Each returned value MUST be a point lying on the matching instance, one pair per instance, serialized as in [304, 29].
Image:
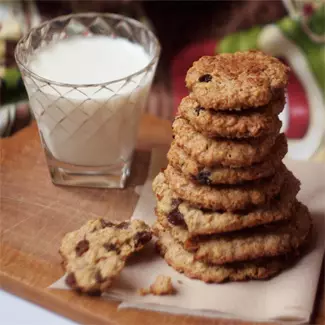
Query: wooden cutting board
[35, 215]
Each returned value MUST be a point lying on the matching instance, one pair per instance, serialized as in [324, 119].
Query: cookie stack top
[225, 196]
[237, 81]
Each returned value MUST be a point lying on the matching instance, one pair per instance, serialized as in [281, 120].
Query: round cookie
[184, 262]
[250, 123]
[95, 254]
[264, 241]
[200, 222]
[225, 175]
[225, 152]
[235, 81]
[227, 198]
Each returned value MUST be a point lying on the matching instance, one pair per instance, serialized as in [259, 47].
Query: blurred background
[291, 30]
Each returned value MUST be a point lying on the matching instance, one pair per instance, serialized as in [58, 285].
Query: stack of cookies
[226, 204]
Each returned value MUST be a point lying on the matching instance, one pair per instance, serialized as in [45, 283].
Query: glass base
[114, 176]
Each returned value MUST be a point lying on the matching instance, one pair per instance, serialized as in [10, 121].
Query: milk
[89, 126]
[89, 60]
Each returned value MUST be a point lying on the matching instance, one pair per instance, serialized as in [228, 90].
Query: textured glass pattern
[79, 124]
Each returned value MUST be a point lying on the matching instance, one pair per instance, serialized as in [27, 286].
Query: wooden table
[35, 215]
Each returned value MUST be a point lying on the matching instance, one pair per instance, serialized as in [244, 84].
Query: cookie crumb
[143, 291]
[162, 286]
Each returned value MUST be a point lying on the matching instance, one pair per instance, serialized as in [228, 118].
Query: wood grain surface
[35, 215]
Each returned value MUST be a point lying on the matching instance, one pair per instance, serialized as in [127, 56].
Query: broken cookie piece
[96, 253]
[162, 286]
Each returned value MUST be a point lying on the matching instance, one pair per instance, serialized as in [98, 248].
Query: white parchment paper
[287, 297]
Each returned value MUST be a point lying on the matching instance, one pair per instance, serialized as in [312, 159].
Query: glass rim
[86, 85]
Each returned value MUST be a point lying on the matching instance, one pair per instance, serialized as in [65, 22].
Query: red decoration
[308, 9]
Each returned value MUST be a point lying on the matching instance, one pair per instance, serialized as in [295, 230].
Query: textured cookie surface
[250, 123]
[201, 222]
[236, 81]
[255, 243]
[226, 197]
[226, 152]
[95, 254]
[178, 158]
[184, 262]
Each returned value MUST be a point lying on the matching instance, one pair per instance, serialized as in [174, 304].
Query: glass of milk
[88, 77]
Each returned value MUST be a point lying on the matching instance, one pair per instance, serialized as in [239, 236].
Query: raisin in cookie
[263, 241]
[235, 81]
[184, 262]
[249, 123]
[202, 222]
[95, 254]
[219, 151]
[178, 158]
[226, 197]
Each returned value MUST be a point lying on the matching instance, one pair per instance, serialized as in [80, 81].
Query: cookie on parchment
[221, 151]
[178, 158]
[184, 262]
[254, 243]
[226, 197]
[95, 254]
[249, 123]
[235, 81]
[202, 222]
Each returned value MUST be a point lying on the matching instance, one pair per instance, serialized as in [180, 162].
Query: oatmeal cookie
[221, 151]
[184, 262]
[178, 158]
[202, 222]
[263, 241]
[95, 254]
[235, 81]
[226, 197]
[249, 123]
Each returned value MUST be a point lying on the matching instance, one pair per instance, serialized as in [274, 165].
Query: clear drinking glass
[88, 131]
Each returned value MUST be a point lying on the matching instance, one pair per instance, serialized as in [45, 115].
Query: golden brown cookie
[95, 254]
[263, 241]
[184, 262]
[249, 123]
[210, 152]
[226, 197]
[202, 222]
[178, 158]
[235, 81]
